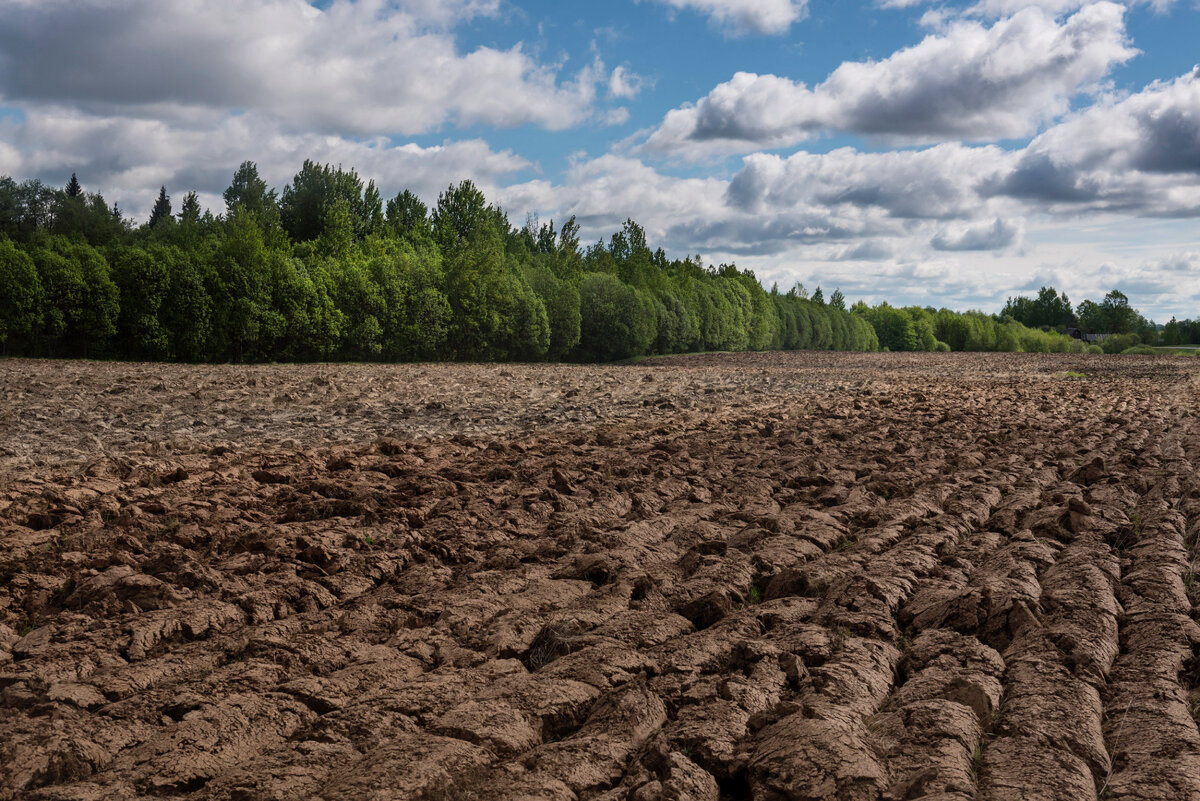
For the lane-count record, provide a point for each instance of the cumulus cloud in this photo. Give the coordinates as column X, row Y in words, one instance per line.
column 604, row 191
column 364, row 67
column 1003, row 8
column 625, row 84
column 969, row 82
column 743, row 17
column 998, row 8
column 128, row 158
column 935, row 183
column 996, row 235
column 1138, row 153
column 911, row 207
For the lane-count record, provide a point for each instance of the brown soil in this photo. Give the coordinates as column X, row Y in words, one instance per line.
column 767, row 577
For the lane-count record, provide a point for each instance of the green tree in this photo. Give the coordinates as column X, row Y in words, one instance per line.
column 143, row 282
column 417, row 314
column 20, row 297
column 239, row 287
column 460, row 211
column 189, row 212
column 81, row 302
column 406, row 214
column 187, row 310
column 161, row 213
column 1117, row 315
column 305, row 203
column 568, row 260
column 250, row 191
column 610, row 327
column 561, row 301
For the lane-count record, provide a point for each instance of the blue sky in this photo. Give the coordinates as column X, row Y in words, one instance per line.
column 942, row 154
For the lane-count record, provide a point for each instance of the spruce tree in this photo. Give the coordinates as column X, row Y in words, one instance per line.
column 162, row 208
column 73, row 187
column 190, row 210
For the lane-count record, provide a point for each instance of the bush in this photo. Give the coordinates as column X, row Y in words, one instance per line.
column 942, row 347
column 1093, row 349
column 1139, row 350
column 1119, row 343
column 615, row 319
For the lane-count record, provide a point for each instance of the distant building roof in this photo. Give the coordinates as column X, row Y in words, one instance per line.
column 1079, row 334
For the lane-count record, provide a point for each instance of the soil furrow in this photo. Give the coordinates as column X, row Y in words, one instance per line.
column 762, row 576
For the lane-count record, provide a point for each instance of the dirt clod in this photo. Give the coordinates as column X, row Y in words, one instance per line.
column 754, row 576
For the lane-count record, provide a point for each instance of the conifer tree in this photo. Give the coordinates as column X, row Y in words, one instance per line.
column 190, row 210
column 162, row 208
column 73, row 187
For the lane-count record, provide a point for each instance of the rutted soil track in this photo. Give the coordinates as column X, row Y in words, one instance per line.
column 768, row 577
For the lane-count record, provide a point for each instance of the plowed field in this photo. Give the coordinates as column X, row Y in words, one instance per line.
column 771, row 576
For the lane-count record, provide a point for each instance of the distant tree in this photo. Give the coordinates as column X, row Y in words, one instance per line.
column 1054, row 310
column 568, row 261
column 1118, row 316
column 186, row 311
column 305, row 204
column 460, row 211
column 612, row 325
column 189, row 212
column 337, row 228
column 20, row 296
column 818, row 297
column 1048, row 310
column 561, row 301
column 1091, row 316
column 407, row 214
column 249, row 191
column 73, row 187
column 370, row 213
column 1171, row 334
column 837, row 300
column 81, row 301
column 1113, row 315
column 162, row 208
column 144, row 282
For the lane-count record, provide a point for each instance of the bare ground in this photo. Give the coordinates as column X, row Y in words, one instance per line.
column 767, row 576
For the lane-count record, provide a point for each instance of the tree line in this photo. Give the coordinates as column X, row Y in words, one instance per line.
column 327, row 269
column 1114, row 317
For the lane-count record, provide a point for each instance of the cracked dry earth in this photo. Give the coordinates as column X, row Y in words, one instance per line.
column 771, row 576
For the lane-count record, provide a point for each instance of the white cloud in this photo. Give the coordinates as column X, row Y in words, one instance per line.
column 128, row 159
column 996, row 235
column 1138, row 154
column 1000, row 8
column 1003, row 8
column 970, row 82
column 617, row 116
column 624, row 84
column 900, row 225
column 743, row 17
column 365, row 67
column 936, row 183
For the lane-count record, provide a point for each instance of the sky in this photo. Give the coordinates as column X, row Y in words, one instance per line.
column 943, row 154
